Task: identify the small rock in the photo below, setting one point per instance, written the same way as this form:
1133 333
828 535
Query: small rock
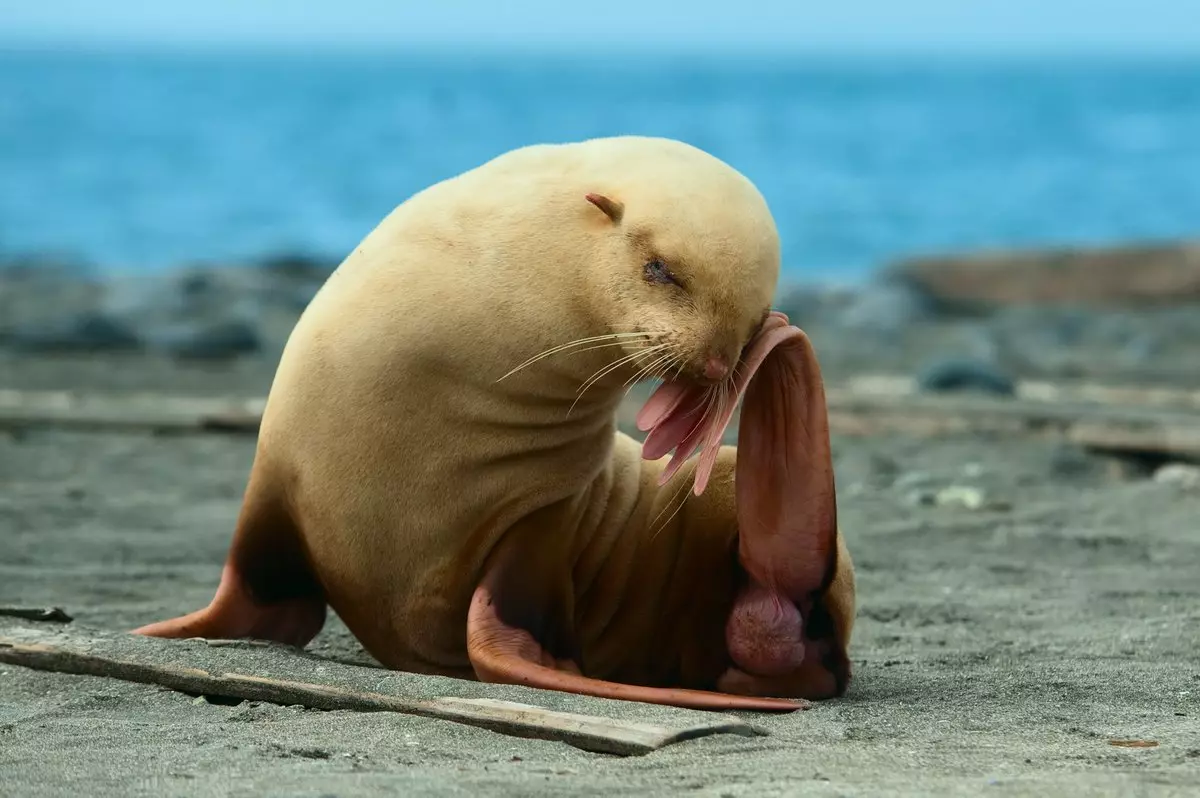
960 495
199 701
922 498
963 374
214 341
1181 474
883 465
1071 460
298 266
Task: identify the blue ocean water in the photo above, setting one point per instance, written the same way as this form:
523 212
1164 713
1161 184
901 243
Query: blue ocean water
139 161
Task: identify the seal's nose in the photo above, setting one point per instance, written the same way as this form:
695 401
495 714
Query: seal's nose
715 368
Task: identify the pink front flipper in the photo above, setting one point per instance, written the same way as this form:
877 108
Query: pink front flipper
787 506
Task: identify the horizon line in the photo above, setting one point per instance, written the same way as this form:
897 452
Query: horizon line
741 50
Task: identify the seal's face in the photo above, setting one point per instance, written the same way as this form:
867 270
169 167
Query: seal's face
698 292
703 306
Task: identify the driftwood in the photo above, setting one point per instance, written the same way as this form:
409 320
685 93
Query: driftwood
134 411
1043 391
1134 420
1119 429
588 732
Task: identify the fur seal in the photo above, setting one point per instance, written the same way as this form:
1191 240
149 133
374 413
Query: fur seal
439 459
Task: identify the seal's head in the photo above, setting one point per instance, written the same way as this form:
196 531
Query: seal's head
698 255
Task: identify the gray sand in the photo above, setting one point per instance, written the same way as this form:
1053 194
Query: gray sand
998 650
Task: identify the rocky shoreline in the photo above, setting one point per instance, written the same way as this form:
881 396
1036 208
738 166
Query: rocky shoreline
905 319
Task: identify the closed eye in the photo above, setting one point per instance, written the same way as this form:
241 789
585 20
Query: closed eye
657 272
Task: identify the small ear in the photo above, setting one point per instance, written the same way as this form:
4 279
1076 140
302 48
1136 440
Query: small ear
612 208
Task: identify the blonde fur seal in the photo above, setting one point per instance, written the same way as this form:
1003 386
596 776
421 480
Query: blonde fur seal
439 462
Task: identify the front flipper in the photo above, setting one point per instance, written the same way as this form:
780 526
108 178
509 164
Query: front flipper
517 633
790 623
786 501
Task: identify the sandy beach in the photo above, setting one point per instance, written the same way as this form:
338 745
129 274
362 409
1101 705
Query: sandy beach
1010 643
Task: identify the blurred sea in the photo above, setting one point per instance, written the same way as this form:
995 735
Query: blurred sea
145 161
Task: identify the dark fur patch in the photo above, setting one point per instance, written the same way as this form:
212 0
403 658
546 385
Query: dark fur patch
273 563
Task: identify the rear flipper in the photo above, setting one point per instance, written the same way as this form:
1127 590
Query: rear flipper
515 629
267 589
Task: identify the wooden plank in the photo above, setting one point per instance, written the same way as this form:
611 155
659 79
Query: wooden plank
1041 390
1173 441
588 732
47 614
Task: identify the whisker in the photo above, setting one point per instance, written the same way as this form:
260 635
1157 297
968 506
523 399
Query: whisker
654 533
675 512
615 337
647 370
679 367
614 365
609 369
661 367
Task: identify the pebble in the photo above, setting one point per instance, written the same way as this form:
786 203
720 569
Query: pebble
216 340
922 498
1184 475
960 495
1072 460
